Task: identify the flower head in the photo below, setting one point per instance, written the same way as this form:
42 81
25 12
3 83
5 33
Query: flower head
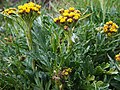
66 71
56 20
76 17
117 57
29 7
110 28
29 12
71 8
67 17
61 11
72 14
9 11
62 20
69 20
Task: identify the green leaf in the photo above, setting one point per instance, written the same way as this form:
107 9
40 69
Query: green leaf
90 78
99 70
112 71
105 65
117 77
85 16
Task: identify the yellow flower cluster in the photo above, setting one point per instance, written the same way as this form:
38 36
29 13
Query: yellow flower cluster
110 28
117 57
9 11
61 74
67 16
65 72
28 7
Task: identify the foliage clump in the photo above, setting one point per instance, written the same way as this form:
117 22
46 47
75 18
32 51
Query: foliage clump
71 52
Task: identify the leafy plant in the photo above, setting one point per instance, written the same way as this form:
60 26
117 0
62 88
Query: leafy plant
90 61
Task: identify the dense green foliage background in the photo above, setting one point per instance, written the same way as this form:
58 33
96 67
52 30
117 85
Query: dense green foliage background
91 57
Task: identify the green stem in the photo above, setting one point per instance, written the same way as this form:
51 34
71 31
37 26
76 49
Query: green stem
27 30
29 36
69 41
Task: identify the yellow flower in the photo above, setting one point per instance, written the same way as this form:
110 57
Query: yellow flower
110 28
71 14
105 28
20 7
76 17
38 6
62 20
71 8
14 9
110 22
60 17
107 23
77 14
9 11
24 8
66 73
69 20
26 5
77 11
66 11
113 30
61 11
68 69
31 4
115 26
65 14
27 10
117 57
56 19
38 12
35 9
20 11
65 18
